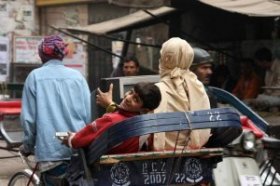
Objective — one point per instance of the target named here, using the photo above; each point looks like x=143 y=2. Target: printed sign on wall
x=26 y=49
x=56 y=2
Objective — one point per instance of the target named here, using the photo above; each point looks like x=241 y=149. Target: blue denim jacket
x=55 y=99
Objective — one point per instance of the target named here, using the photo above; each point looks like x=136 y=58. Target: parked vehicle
x=251 y=158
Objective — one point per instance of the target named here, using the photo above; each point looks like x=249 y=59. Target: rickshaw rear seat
x=161 y=122
x=147 y=124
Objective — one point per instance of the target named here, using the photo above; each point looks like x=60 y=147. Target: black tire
x=21 y=179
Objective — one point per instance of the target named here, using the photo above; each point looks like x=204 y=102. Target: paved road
x=8 y=165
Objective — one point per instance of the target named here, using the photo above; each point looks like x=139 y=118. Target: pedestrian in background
x=55 y=98
x=270 y=98
x=202 y=67
x=249 y=83
x=130 y=67
x=263 y=60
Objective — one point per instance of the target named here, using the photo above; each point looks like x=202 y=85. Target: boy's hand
x=65 y=140
x=104 y=99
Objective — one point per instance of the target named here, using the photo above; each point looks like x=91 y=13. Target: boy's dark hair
x=263 y=54
x=149 y=93
x=131 y=58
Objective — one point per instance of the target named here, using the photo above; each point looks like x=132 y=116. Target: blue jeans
x=55 y=176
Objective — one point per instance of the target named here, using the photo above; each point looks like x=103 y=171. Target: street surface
x=8 y=165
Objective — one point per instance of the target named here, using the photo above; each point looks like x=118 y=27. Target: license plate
x=250 y=180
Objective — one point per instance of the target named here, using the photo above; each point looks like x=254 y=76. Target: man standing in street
x=55 y=98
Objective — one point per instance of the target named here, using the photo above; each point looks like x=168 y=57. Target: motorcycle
x=239 y=165
x=253 y=157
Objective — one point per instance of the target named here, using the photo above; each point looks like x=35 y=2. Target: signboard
x=26 y=49
x=56 y=2
x=77 y=55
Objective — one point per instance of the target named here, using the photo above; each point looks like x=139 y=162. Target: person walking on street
x=55 y=99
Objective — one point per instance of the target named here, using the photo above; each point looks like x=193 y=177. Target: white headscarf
x=181 y=91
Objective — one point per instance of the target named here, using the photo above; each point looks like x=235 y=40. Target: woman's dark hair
x=149 y=93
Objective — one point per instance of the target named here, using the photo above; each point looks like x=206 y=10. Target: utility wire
x=130 y=42
x=137 y=43
x=90 y=44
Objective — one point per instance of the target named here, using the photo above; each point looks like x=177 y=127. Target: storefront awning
x=123 y=23
x=258 y=8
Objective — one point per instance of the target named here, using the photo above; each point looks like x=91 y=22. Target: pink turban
x=52 y=47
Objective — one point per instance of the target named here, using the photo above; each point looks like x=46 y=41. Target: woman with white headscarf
x=181 y=91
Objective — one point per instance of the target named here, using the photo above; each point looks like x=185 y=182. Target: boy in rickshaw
x=143 y=98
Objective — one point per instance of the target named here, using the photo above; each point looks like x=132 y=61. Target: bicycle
x=28 y=176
